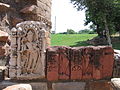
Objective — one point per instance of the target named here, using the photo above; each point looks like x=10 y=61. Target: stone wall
x=79 y=63
x=37 y=15
x=13 y=12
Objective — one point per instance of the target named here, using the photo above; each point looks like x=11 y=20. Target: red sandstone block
x=107 y=61
x=52 y=64
x=82 y=63
x=76 y=67
x=103 y=67
x=87 y=66
x=64 y=67
x=81 y=68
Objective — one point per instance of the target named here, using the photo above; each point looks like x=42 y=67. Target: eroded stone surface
x=99 y=85
x=116 y=83
x=69 y=86
x=79 y=63
x=39 y=86
x=28 y=44
x=19 y=87
x=116 y=70
x=29 y=9
x=3 y=36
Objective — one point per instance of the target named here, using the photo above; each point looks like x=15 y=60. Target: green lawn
x=74 y=40
x=70 y=39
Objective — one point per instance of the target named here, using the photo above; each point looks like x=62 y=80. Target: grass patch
x=116 y=45
x=71 y=39
x=75 y=40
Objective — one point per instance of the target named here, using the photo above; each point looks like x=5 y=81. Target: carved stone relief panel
x=28 y=44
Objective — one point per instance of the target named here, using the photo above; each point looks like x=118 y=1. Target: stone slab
x=19 y=87
x=69 y=86
x=116 y=83
x=34 y=85
x=99 y=85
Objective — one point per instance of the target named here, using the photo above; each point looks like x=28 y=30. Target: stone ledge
x=69 y=86
x=35 y=85
x=116 y=83
x=75 y=85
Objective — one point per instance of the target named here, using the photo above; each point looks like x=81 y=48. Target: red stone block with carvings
x=79 y=63
x=52 y=64
x=64 y=63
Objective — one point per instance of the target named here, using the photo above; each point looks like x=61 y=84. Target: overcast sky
x=67 y=17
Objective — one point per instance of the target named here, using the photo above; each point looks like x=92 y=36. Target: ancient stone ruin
x=28 y=44
x=33 y=64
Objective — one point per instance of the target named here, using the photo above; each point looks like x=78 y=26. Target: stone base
x=69 y=86
x=73 y=85
x=30 y=77
x=114 y=84
x=34 y=85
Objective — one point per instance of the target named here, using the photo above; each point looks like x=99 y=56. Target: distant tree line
x=85 y=31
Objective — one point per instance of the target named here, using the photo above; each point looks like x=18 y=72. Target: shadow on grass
x=80 y=43
x=116 y=45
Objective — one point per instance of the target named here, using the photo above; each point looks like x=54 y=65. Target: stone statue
x=30 y=41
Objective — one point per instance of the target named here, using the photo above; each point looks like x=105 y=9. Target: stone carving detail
x=28 y=44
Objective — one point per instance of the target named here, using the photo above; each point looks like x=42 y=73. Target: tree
x=99 y=12
x=70 y=31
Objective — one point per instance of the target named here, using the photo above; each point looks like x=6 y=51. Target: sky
x=67 y=17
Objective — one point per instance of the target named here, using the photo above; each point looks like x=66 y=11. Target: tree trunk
x=99 y=32
x=119 y=34
x=107 y=32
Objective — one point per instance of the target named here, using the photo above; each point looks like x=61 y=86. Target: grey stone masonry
x=69 y=86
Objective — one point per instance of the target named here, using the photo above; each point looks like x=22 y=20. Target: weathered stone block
x=52 y=64
x=116 y=71
x=58 y=63
x=69 y=86
x=116 y=83
x=29 y=9
x=64 y=63
x=83 y=63
x=19 y=87
x=99 y=85
x=108 y=56
x=7 y=85
x=39 y=86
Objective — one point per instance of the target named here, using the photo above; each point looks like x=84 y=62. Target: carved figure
x=31 y=44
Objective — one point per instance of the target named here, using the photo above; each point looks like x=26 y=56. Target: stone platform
x=112 y=84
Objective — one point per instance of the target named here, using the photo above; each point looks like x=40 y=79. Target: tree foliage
x=70 y=31
x=104 y=14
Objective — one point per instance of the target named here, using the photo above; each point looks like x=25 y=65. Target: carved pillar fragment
x=28 y=44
